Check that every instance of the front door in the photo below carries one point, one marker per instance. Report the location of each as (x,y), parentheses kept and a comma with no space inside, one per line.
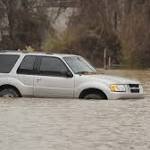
(50,80)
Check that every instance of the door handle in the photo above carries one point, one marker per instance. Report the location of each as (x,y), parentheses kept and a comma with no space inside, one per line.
(38,79)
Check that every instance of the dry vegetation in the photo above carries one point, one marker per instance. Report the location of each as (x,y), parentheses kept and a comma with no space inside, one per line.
(120,26)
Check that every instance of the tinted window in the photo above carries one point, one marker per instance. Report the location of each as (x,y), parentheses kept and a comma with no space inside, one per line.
(27,65)
(52,66)
(7,62)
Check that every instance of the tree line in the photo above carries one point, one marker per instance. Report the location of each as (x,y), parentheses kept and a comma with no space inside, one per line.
(120,26)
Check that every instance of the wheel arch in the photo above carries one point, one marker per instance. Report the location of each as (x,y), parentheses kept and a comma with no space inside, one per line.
(94,90)
(10,86)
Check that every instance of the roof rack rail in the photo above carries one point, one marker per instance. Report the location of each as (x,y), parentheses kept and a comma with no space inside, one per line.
(4,51)
(8,50)
(23,51)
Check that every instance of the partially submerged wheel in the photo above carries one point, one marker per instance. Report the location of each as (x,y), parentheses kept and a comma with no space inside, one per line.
(9,92)
(93,94)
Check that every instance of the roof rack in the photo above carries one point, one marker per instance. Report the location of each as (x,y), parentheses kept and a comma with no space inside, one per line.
(8,50)
(19,50)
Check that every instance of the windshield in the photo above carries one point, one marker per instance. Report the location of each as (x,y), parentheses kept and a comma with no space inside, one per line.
(79,65)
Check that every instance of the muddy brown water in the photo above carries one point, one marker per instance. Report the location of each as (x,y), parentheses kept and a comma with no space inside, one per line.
(68,124)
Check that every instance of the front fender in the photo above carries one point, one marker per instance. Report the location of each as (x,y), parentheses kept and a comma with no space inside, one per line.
(94,85)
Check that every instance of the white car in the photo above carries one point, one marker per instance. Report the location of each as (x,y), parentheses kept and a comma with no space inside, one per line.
(60,76)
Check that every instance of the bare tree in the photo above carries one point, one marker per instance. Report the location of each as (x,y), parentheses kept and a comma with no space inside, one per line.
(28,23)
(135,34)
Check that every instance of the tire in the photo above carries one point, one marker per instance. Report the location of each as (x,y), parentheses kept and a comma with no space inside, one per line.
(93,96)
(9,92)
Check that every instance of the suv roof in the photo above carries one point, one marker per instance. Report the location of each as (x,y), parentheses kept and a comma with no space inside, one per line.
(35,53)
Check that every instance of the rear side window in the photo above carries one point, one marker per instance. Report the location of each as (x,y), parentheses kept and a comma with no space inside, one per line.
(27,65)
(7,62)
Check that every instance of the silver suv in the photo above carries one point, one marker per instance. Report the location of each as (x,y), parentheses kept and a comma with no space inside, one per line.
(60,76)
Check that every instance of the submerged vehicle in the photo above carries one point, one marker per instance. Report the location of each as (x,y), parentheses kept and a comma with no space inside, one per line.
(60,76)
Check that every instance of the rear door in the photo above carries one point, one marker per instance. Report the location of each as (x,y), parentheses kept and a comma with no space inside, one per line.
(25,74)
(50,82)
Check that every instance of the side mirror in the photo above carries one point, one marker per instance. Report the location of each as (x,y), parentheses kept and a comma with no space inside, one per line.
(67,74)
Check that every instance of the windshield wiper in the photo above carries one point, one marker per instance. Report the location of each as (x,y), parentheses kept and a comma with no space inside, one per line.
(86,73)
(82,72)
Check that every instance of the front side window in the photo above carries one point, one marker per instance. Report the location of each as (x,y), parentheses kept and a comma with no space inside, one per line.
(52,66)
(27,65)
(7,62)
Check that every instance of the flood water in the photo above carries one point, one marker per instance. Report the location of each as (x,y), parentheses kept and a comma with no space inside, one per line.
(69,124)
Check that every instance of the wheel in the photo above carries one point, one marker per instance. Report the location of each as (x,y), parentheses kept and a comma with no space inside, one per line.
(9,92)
(93,96)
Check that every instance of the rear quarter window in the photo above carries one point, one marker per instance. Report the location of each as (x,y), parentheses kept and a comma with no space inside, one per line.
(7,62)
